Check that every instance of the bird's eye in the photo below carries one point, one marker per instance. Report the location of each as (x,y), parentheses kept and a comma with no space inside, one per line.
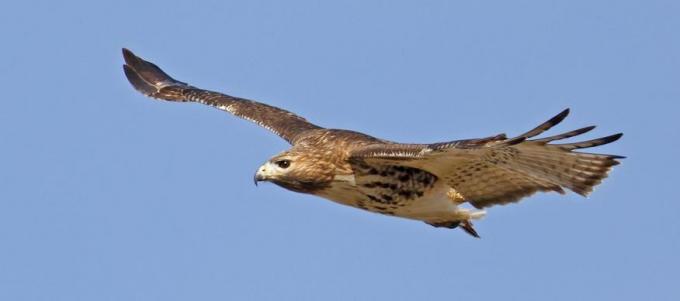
(283,163)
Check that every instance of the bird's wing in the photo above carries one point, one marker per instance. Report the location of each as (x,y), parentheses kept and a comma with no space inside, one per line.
(498,170)
(151,81)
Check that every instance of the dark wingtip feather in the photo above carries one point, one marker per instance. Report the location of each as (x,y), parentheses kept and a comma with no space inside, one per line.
(516,140)
(616,137)
(566,135)
(137,82)
(591,143)
(557,119)
(546,125)
(150,80)
(128,55)
(148,71)
(588,129)
(608,139)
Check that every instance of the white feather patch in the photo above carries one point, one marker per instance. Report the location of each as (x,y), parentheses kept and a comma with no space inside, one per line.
(346,178)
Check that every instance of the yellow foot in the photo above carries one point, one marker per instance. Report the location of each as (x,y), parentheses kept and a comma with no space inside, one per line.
(455,196)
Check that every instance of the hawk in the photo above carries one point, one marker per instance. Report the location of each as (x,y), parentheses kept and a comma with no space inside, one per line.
(426,182)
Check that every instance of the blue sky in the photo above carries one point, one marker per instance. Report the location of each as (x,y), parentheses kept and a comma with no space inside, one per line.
(108,195)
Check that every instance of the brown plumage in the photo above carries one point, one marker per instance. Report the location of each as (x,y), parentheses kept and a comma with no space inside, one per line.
(424,182)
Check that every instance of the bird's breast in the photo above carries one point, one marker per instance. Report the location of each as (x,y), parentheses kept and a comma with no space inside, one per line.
(382,189)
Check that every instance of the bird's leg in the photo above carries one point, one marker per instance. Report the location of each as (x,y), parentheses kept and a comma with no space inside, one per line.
(465,225)
(448,225)
(461,217)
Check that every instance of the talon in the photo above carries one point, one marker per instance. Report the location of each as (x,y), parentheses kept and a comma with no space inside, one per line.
(467,227)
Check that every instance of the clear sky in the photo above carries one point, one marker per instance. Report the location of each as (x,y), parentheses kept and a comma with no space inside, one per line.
(108,195)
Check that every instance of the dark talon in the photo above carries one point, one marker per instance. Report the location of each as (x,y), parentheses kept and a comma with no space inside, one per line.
(465,225)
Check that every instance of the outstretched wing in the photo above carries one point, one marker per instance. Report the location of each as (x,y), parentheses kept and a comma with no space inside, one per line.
(151,81)
(498,170)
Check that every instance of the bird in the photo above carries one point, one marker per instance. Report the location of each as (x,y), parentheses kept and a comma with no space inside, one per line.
(444,184)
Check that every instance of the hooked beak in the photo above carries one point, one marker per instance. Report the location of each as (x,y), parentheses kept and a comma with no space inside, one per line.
(258,177)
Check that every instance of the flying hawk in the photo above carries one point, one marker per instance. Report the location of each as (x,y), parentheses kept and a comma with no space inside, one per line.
(426,182)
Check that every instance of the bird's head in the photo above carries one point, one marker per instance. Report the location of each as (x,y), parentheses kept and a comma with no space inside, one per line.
(294,172)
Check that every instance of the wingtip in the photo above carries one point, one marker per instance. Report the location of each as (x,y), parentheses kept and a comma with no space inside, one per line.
(137,63)
(145,76)
(137,82)
(546,125)
(129,56)
(611,138)
(589,128)
(559,117)
(566,135)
